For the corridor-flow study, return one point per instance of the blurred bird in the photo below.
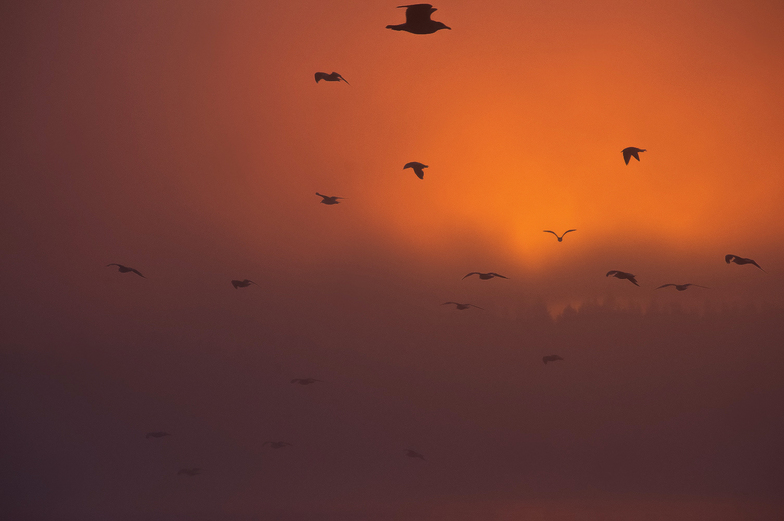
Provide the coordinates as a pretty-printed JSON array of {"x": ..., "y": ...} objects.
[
  {"x": 413, "y": 454},
  {"x": 157, "y": 434},
  {"x": 622, "y": 275},
  {"x": 126, "y": 269},
  {"x": 550, "y": 358},
  {"x": 485, "y": 276},
  {"x": 418, "y": 20},
  {"x": 242, "y": 283},
  {"x": 190, "y": 472},
  {"x": 305, "y": 381},
  {"x": 419, "y": 168},
  {"x": 682, "y": 287},
  {"x": 631, "y": 152},
  {"x": 740, "y": 260},
  {"x": 329, "y": 199},
  {"x": 276, "y": 444},
  {"x": 560, "y": 239},
  {"x": 329, "y": 77},
  {"x": 461, "y": 306}
]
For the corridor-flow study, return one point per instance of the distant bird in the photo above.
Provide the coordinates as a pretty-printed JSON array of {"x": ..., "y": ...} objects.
[
  {"x": 550, "y": 358},
  {"x": 329, "y": 199},
  {"x": 485, "y": 276},
  {"x": 560, "y": 239},
  {"x": 305, "y": 381},
  {"x": 622, "y": 275},
  {"x": 418, "y": 20},
  {"x": 126, "y": 269},
  {"x": 419, "y": 168},
  {"x": 631, "y": 152},
  {"x": 740, "y": 260},
  {"x": 329, "y": 77},
  {"x": 157, "y": 434},
  {"x": 190, "y": 472},
  {"x": 682, "y": 287},
  {"x": 414, "y": 454},
  {"x": 276, "y": 444},
  {"x": 242, "y": 283},
  {"x": 461, "y": 306}
]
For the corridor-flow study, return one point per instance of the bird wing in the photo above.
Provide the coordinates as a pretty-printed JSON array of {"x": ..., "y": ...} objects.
[
  {"x": 324, "y": 196},
  {"x": 420, "y": 172},
  {"x": 698, "y": 286},
  {"x": 340, "y": 77},
  {"x": 665, "y": 285},
  {"x": 321, "y": 76},
  {"x": 418, "y": 12},
  {"x": 235, "y": 283},
  {"x": 627, "y": 154},
  {"x": 497, "y": 275},
  {"x": 455, "y": 303},
  {"x": 635, "y": 156},
  {"x": 728, "y": 258},
  {"x": 757, "y": 265},
  {"x": 477, "y": 307},
  {"x": 567, "y": 231},
  {"x": 138, "y": 273},
  {"x": 113, "y": 264},
  {"x": 612, "y": 272},
  {"x": 631, "y": 279},
  {"x": 550, "y": 231},
  {"x": 472, "y": 273}
]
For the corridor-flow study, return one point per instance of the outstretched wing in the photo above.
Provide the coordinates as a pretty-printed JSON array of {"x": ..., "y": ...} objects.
[
  {"x": 340, "y": 77},
  {"x": 497, "y": 275},
  {"x": 627, "y": 154},
  {"x": 550, "y": 231},
  {"x": 472, "y": 273},
  {"x": 138, "y": 273},
  {"x": 757, "y": 265},
  {"x": 455, "y": 303},
  {"x": 666, "y": 285},
  {"x": 418, "y": 12},
  {"x": 567, "y": 231},
  {"x": 477, "y": 307}
]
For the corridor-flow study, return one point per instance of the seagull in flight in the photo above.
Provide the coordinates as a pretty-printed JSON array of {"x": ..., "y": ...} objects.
[
  {"x": 305, "y": 381},
  {"x": 329, "y": 199},
  {"x": 190, "y": 472},
  {"x": 631, "y": 152},
  {"x": 560, "y": 239},
  {"x": 414, "y": 454},
  {"x": 126, "y": 269},
  {"x": 157, "y": 435},
  {"x": 485, "y": 276},
  {"x": 276, "y": 444},
  {"x": 622, "y": 275},
  {"x": 682, "y": 287},
  {"x": 418, "y": 20},
  {"x": 329, "y": 77},
  {"x": 242, "y": 283},
  {"x": 461, "y": 307},
  {"x": 550, "y": 358},
  {"x": 740, "y": 260},
  {"x": 419, "y": 168}
]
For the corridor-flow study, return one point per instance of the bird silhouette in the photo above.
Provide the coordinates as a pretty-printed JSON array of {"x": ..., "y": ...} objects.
[
  {"x": 414, "y": 454},
  {"x": 305, "y": 381},
  {"x": 740, "y": 260},
  {"x": 329, "y": 199},
  {"x": 682, "y": 287},
  {"x": 190, "y": 472},
  {"x": 242, "y": 283},
  {"x": 276, "y": 444},
  {"x": 419, "y": 168},
  {"x": 156, "y": 434},
  {"x": 550, "y": 358},
  {"x": 126, "y": 269},
  {"x": 631, "y": 152},
  {"x": 461, "y": 306},
  {"x": 560, "y": 239},
  {"x": 485, "y": 276},
  {"x": 329, "y": 77},
  {"x": 622, "y": 275},
  {"x": 418, "y": 20}
]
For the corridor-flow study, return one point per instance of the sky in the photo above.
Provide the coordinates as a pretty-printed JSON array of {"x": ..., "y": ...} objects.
[{"x": 187, "y": 139}]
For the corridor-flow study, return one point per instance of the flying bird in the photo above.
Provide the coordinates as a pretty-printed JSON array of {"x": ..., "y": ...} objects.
[
  {"x": 190, "y": 472},
  {"x": 418, "y": 20},
  {"x": 276, "y": 444},
  {"x": 631, "y": 152},
  {"x": 305, "y": 381},
  {"x": 242, "y": 283},
  {"x": 740, "y": 260},
  {"x": 414, "y": 454},
  {"x": 485, "y": 276},
  {"x": 419, "y": 168},
  {"x": 461, "y": 306},
  {"x": 157, "y": 435},
  {"x": 560, "y": 239},
  {"x": 329, "y": 199},
  {"x": 622, "y": 275},
  {"x": 329, "y": 77},
  {"x": 126, "y": 269},
  {"x": 550, "y": 358},
  {"x": 682, "y": 287}
]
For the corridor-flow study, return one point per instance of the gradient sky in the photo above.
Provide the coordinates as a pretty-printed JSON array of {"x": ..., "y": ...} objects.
[{"x": 187, "y": 139}]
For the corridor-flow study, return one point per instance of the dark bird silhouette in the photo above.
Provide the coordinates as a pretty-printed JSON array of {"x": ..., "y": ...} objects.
[
  {"x": 418, "y": 20},
  {"x": 550, "y": 358},
  {"x": 622, "y": 275},
  {"x": 485, "y": 276},
  {"x": 461, "y": 306},
  {"x": 414, "y": 454},
  {"x": 242, "y": 283},
  {"x": 305, "y": 381},
  {"x": 329, "y": 199},
  {"x": 560, "y": 239},
  {"x": 682, "y": 287},
  {"x": 631, "y": 152},
  {"x": 190, "y": 472},
  {"x": 126, "y": 269},
  {"x": 740, "y": 260},
  {"x": 157, "y": 434},
  {"x": 276, "y": 444},
  {"x": 419, "y": 168},
  {"x": 329, "y": 77}
]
